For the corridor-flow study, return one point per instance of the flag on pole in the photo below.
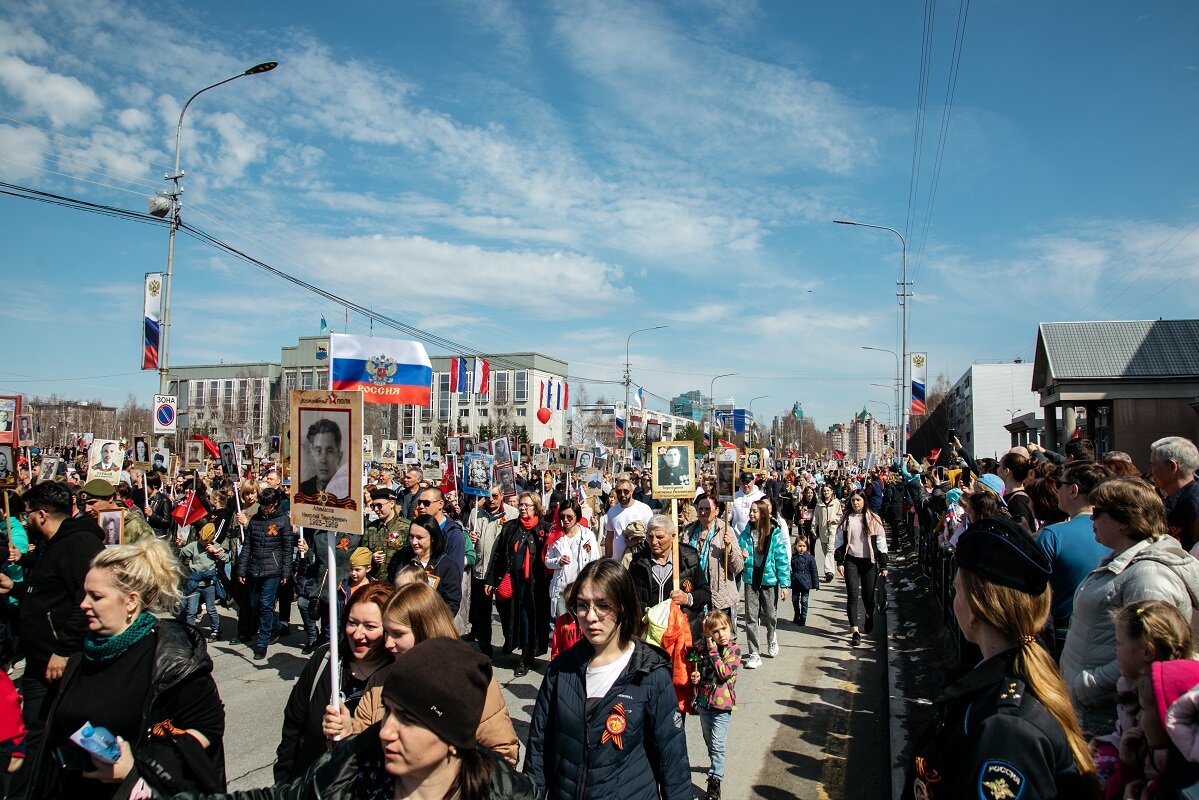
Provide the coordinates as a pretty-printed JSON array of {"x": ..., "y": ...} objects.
[
  {"x": 324, "y": 325},
  {"x": 151, "y": 319},
  {"x": 619, "y": 426},
  {"x": 541, "y": 395},
  {"x": 727, "y": 445},
  {"x": 458, "y": 373},
  {"x": 482, "y": 375},
  {"x": 558, "y": 397},
  {"x": 641, "y": 396},
  {"x": 549, "y": 393},
  {"x": 566, "y": 395},
  {"x": 919, "y": 378},
  {"x": 386, "y": 371},
  {"x": 838, "y": 455},
  {"x": 707, "y": 434}
]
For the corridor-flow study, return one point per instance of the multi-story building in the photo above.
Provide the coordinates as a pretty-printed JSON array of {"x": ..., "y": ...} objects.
[
  {"x": 985, "y": 400},
  {"x": 216, "y": 399},
  {"x": 692, "y": 405},
  {"x": 60, "y": 423},
  {"x": 838, "y": 438},
  {"x": 597, "y": 421}
]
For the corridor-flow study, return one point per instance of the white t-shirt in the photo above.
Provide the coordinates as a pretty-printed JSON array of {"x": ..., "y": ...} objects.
[
  {"x": 601, "y": 679},
  {"x": 619, "y": 517},
  {"x": 741, "y": 503}
]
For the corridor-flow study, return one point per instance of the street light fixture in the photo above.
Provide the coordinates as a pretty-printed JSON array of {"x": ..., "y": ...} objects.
[
  {"x": 712, "y": 399},
  {"x": 751, "y": 406},
  {"x": 903, "y": 307},
  {"x": 173, "y": 210},
  {"x": 628, "y": 379},
  {"x": 898, "y": 378}
]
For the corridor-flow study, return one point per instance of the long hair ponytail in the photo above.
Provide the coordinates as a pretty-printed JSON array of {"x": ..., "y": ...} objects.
[
  {"x": 1021, "y": 616},
  {"x": 764, "y": 527}
]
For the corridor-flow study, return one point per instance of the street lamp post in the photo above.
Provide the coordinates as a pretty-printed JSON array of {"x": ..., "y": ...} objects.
[
  {"x": 903, "y": 307},
  {"x": 628, "y": 379},
  {"x": 712, "y": 400},
  {"x": 751, "y": 406},
  {"x": 897, "y": 388},
  {"x": 173, "y": 196}
]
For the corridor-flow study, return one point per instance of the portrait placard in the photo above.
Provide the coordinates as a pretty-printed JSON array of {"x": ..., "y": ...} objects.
[
  {"x": 637, "y": 459},
  {"x": 502, "y": 450},
  {"x": 541, "y": 460},
  {"x": 483, "y": 447},
  {"x": 10, "y": 407},
  {"x": 141, "y": 453},
  {"x": 160, "y": 459},
  {"x": 754, "y": 461},
  {"x": 285, "y": 451},
  {"x": 453, "y": 445},
  {"x": 584, "y": 460},
  {"x": 229, "y": 463},
  {"x": 653, "y": 432},
  {"x": 25, "y": 429},
  {"x": 476, "y": 474},
  {"x": 431, "y": 467},
  {"x": 390, "y": 454},
  {"x": 674, "y": 470},
  {"x": 194, "y": 453},
  {"x": 104, "y": 460},
  {"x": 112, "y": 523},
  {"x": 368, "y": 447},
  {"x": 327, "y": 486},
  {"x": 8, "y": 467},
  {"x": 726, "y": 473},
  {"x": 505, "y": 476},
  {"x": 429, "y": 457},
  {"x": 48, "y": 469},
  {"x": 411, "y": 456}
]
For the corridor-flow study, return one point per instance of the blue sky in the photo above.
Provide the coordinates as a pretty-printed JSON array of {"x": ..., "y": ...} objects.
[{"x": 552, "y": 176}]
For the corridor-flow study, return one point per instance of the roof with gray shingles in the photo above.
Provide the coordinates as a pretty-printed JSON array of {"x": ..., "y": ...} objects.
[{"x": 1118, "y": 349}]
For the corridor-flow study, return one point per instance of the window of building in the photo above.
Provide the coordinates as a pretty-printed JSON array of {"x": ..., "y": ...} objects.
[
  {"x": 322, "y": 379},
  {"x": 501, "y": 383},
  {"x": 289, "y": 380},
  {"x": 306, "y": 380},
  {"x": 482, "y": 412},
  {"x": 214, "y": 391},
  {"x": 408, "y": 422},
  {"x": 198, "y": 392},
  {"x": 521, "y": 394},
  {"x": 522, "y": 412},
  {"x": 464, "y": 412},
  {"x": 443, "y": 396}
]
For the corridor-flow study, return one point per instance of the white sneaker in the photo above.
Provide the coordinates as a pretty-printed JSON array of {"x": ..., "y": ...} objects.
[
  {"x": 772, "y": 649},
  {"x": 752, "y": 661}
]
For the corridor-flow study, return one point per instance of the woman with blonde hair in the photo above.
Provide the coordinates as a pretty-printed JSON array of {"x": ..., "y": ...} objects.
[
  {"x": 1005, "y": 728},
  {"x": 147, "y": 680},
  {"x": 518, "y": 579},
  {"x": 414, "y": 614},
  {"x": 1145, "y": 564}
]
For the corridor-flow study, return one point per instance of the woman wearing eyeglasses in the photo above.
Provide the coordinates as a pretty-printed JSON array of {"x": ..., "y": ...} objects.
[
  {"x": 572, "y": 549},
  {"x": 606, "y": 723},
  {"x": 1145, "y": 564},
  {"x": 517, "y": 578}
]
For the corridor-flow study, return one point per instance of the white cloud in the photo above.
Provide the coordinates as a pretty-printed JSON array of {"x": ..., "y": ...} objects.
[
  {"x": 133, "y": 119},
  {"x": 21, "y": 152},
  {"x": 61, "y": 99}
]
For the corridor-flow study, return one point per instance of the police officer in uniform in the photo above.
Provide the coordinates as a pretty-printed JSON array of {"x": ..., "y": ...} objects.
[{"x": 1005, "y": 729}]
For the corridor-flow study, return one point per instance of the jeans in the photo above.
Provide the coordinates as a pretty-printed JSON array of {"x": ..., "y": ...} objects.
[
  {"x": 799, "y": 601},
  {"x": 860, "y": 577},
  {"x": 262, "y": 598},
  {"x": 207, "y": 595},
  {"x": 715, "y": 727},
  {"x": 760, "y": 607},
  {"x": 310, "y": 614}
]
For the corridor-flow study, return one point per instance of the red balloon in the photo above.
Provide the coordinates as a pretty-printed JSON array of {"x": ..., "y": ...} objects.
[{"x": 543, "y": 415}]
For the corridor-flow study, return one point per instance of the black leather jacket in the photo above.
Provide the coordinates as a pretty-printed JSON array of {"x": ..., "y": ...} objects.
[{"x": 354, "y": 769}]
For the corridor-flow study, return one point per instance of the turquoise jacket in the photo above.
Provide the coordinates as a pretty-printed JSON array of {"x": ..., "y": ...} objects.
[
  {"x": 20, "y": 539},
  {"x": 776, "y": 570}
]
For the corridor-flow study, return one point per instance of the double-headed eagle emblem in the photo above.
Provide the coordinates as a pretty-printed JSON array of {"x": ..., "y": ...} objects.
[{"x": 381, "y": 369}]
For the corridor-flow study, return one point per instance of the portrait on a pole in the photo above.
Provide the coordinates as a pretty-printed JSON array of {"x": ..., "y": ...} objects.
[
  {"x": 9, "y": 407},
  {"x": 726, "y": 473},
  {"x": 141, "y": 453},
  {"x": 390, "y": 453},
  {"x": 8, "y": 467},
  {"x": 476, "y": 474},
  {"x": 326, "y": 463},
  {"x": 674, "y": 470},
  {"x": 104, "y": 459},
  {"x": 229, "y": 464}
]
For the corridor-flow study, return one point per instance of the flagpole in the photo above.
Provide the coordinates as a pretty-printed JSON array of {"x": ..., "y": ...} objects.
[{"x": 331, "y": 591}]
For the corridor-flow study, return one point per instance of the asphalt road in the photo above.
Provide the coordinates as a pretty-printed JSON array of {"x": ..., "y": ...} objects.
[{"x": 810, "y": 723}]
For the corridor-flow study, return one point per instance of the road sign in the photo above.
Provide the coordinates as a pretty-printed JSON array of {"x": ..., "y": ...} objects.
[{"x": 164, "y": 413}]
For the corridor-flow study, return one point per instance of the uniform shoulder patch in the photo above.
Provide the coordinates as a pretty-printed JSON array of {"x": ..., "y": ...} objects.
[
  {"x": 1011, "y": 691},
  {"x": 999, "y": 780}
]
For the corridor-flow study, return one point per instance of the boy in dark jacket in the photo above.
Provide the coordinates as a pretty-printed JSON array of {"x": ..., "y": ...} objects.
[
  {"x": 804, "y": 578},
  {"x": 265, "y": 562}
]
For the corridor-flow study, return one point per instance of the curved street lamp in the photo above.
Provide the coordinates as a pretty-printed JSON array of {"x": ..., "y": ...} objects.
[
  {"x": 628, "y": 378},
  {"x": 173, "y": 197}
]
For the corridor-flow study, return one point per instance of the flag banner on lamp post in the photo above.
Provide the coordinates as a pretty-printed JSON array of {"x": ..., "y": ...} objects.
[
  {"x": 386, "y": 371},
  {"x": 151, "y": 319},
  {"x": 919, "y": 379}
]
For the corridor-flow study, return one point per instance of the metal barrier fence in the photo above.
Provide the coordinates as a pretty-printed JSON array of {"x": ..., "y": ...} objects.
[{"x": 939, "y": 566}]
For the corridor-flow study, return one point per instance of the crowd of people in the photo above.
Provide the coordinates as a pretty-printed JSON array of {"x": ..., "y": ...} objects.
[{"x": 1074, "y": 587}]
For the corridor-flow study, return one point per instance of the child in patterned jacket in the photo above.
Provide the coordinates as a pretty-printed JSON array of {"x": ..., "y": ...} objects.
[{"x": 715, "y": 677}]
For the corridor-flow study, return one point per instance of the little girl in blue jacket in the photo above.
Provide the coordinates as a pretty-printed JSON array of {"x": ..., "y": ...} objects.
[{"x": 804, "y": 578}]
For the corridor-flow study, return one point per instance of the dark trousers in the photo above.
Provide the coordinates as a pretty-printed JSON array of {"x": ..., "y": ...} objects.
[
  {"x": 799, "y": 601},
  {"x": 860, "y": 577},
  {"x": 286, "y": 596},
  {"x": 262, "y": 598},
  {"x": 247, "y": 615},
  {"x": 480, "y": 614},
  {"x": 37, "y": 697}
]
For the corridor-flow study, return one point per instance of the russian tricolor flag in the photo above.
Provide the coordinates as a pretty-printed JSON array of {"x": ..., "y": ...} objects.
[
  {"x": 388, "y": 371},
  {"x": 619, "y": 426},
  {"x": 151, "y": 319}
]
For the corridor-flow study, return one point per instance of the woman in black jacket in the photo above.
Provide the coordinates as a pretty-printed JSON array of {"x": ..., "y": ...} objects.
[
  {"x": 425, "y": 746},
  {"x": 361, "y": 655},
  {"x": 606, "y": 724},
  {"x": 146, "y": 680},
  {"x": 653, "y": 561},
  {"x": 425, "y": 548},
  {"x": 518, "y": 571}
]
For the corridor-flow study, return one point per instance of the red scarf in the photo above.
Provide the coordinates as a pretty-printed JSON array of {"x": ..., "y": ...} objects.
[{"x": 528, "y": 524}]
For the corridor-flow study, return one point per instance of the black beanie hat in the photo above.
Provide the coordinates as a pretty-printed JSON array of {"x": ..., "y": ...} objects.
[
  {"x": 1003, "y": 552},
  {"x": 443, "y": 684}
]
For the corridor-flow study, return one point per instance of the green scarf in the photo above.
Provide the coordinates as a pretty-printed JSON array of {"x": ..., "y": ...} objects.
[{"x": 106, "y": 648}]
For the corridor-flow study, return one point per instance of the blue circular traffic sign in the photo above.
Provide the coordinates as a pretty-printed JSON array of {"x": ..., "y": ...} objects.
[{"x": 166, "y": 416}]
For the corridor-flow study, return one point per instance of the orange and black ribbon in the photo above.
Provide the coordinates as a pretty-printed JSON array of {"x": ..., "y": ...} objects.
[{"x": 614, "y": 728}]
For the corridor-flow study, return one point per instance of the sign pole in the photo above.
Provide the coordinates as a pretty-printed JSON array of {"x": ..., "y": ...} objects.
[{"x": 334, "y": 633}]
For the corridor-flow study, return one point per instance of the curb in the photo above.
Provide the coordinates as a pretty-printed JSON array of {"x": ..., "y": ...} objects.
[{"x": 896, "y": 711}]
